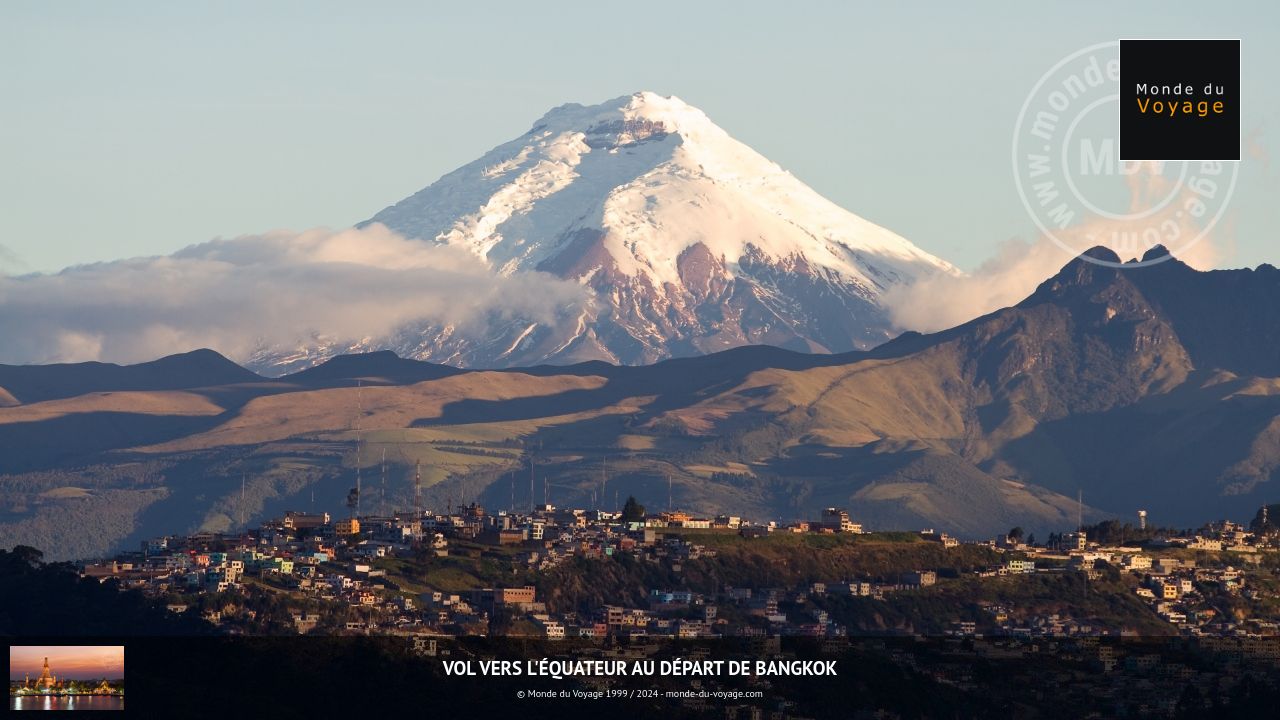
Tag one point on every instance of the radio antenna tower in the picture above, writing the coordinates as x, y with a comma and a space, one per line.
359, 412
242, 474
382, 500
417, 489
1079, 510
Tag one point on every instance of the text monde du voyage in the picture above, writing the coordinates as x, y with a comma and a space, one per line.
1180, 99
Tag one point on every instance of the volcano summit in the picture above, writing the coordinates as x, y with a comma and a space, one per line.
686, 242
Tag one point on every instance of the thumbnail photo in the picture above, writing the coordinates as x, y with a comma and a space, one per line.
66, 677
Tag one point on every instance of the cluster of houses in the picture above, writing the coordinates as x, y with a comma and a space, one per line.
1176, 588
337, 560
340, 562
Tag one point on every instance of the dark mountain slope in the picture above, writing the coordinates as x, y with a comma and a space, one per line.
195, 369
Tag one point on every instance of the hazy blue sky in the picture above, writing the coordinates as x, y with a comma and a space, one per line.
132, 128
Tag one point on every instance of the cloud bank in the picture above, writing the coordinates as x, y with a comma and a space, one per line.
944, 301
280, 289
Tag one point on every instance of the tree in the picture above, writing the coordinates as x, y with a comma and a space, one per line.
1031, 539
632, 511
27, 555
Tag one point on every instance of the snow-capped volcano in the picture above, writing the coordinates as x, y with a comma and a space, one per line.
687, 240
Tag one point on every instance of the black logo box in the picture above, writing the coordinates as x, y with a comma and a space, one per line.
1182, 65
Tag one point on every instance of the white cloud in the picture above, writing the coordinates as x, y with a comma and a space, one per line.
277, 289
944, 301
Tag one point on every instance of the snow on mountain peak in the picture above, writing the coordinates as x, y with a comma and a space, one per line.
669, 111
653, 176
685, 240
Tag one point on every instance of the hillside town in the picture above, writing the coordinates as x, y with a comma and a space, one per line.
365, 575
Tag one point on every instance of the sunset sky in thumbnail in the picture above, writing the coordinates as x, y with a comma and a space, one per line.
71, 662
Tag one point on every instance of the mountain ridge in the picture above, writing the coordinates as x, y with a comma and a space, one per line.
196, 368
1105, 382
